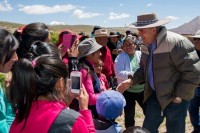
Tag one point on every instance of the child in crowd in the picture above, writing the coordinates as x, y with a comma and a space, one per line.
69, 57
38, 97
29, 34
89, 54
8, 57
102, 78
110, 105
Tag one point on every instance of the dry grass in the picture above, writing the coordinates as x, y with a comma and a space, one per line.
140, 117
57, 28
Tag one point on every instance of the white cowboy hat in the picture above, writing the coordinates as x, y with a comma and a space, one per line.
197, 34
101, 33
148, 21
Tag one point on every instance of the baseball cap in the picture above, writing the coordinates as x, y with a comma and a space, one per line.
110, 104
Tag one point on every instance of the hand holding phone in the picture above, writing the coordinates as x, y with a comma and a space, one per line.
76, 81
83, 99
68, 40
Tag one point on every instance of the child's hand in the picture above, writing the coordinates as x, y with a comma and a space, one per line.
62, 50
73, 51
83, 98
69, 95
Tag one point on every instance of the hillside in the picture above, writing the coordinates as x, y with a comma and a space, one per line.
9, 25
189, 28
76, 28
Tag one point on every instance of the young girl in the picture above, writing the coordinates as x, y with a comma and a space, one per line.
8, 56
38, 97
102, 78
29, 34
89, 54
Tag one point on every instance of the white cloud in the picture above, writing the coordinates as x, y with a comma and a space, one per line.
121, 4
5, 6
43, 9
82, 15
113, 16
57, 23
172, 17
149, 4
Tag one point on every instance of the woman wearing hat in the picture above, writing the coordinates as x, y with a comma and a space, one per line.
170, 69
195, 102
89, 54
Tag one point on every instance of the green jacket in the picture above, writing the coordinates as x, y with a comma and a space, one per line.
176, 68
6, 114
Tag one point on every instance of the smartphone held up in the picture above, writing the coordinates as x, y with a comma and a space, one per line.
76, 81
68, 40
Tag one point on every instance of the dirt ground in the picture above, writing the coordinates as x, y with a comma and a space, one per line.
140, 117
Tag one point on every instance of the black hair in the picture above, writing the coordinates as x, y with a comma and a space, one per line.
96, 28
31, 33
134, 34
64, 32
39, 48
8, 46
84, 36
32, 79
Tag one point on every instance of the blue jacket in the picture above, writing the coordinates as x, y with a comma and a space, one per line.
6, 113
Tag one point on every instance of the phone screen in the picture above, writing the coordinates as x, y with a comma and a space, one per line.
75, 82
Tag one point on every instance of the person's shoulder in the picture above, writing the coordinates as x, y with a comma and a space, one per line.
172, 36
65, 117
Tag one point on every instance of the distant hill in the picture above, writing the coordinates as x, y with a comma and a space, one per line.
9, 25
189, 28
76, 28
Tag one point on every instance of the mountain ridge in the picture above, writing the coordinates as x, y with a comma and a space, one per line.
189, 28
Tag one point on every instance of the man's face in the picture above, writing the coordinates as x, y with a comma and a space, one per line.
148, 35
102, 40
197, 43
114, 39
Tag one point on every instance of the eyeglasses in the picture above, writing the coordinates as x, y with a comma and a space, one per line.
128, 45
196, 39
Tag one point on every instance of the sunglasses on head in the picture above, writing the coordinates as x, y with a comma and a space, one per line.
196, 39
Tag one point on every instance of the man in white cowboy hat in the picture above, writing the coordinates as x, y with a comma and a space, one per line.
195, 102
170, 69
101, 37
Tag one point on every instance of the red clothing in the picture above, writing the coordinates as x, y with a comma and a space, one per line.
42, 115
87, 81
106, 57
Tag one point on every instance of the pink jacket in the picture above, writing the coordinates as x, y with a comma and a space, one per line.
43, 114
103, 81
87, 81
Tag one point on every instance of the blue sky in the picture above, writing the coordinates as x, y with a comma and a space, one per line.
106, 13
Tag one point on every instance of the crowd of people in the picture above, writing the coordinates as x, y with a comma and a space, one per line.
158, 69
